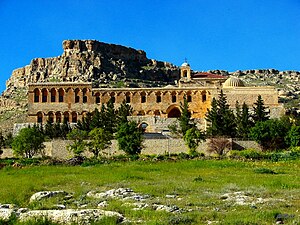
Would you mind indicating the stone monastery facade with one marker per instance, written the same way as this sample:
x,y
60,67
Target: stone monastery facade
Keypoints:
x,y
154,106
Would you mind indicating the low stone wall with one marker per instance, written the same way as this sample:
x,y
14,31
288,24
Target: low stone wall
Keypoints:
x,y
58,148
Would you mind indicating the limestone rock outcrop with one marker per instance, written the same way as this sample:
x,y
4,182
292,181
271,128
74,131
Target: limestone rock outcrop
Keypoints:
x,y
92,61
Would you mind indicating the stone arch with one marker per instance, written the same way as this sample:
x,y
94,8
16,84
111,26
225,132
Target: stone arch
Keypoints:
x,y
156,112
37,94
144,126
44,95
173,111
53,95
141,113
40,117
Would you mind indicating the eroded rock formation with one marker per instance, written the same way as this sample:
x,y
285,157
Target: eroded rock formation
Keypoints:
x,y
93,61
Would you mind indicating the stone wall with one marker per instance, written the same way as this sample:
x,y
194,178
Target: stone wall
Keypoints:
x,y
58,148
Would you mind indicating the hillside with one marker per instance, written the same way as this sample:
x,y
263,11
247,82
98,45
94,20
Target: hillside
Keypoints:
x,y
110,65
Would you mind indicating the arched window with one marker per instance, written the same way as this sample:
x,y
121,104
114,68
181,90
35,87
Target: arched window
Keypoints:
x,y
66,117
61,94
53,95
44,95
158,97
127,97
51,117
97,98
58,117
77,97
174,98
39,117
84,95
36,95
112,97
143,97
74,117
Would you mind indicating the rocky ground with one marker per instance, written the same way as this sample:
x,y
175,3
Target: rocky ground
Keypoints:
x,y
83,213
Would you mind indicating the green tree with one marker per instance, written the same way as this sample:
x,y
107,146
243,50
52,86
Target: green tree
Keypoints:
x,y
220,118
110,117
212,119
28,142
85,123
192,138
99,140
293,136
185,121
129,138
260,111
243,121
79,145
124,111
270,133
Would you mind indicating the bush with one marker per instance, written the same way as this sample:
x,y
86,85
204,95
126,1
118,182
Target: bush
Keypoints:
x,y
248,154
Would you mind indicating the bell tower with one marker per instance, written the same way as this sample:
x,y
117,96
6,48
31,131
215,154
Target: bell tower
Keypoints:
x,y
185,71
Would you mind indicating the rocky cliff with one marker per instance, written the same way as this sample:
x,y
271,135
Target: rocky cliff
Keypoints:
x,y
94,61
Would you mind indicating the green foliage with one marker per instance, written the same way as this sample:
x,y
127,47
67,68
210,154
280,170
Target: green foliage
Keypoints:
x,y
123,111
192,138
270,133
293,136
55,130
243,121
28,142
248,154
185,122
79,145
129,138
220,118
260,111
99,140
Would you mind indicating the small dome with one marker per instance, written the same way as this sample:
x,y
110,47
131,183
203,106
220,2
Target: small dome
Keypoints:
x,y
185,64
233,82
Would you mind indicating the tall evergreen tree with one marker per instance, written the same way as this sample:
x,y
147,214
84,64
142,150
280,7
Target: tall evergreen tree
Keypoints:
x,y
185,121
221,118
212,119
123,111
260,111
243,121
110,118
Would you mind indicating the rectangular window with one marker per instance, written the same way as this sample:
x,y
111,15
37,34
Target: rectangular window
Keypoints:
x,y
189,98
52,98
203,98
143,98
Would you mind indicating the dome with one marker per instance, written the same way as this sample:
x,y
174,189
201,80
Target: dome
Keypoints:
x,y
185,64
233,82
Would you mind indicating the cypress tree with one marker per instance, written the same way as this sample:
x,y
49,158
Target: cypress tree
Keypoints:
x,y
185,121
243,120
260,111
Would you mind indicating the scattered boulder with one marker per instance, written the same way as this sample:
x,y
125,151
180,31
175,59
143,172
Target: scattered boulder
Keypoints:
x,y
120,193
71,216
47,194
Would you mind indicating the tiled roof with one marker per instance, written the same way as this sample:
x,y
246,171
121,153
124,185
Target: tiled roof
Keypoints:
x,y
208,75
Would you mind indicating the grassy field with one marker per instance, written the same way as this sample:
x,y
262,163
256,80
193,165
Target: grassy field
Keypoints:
x,y
197,184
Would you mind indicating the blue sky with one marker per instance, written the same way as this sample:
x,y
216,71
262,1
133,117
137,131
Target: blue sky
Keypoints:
x,y
216,34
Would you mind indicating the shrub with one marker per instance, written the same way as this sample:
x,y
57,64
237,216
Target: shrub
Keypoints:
x,y
219,145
